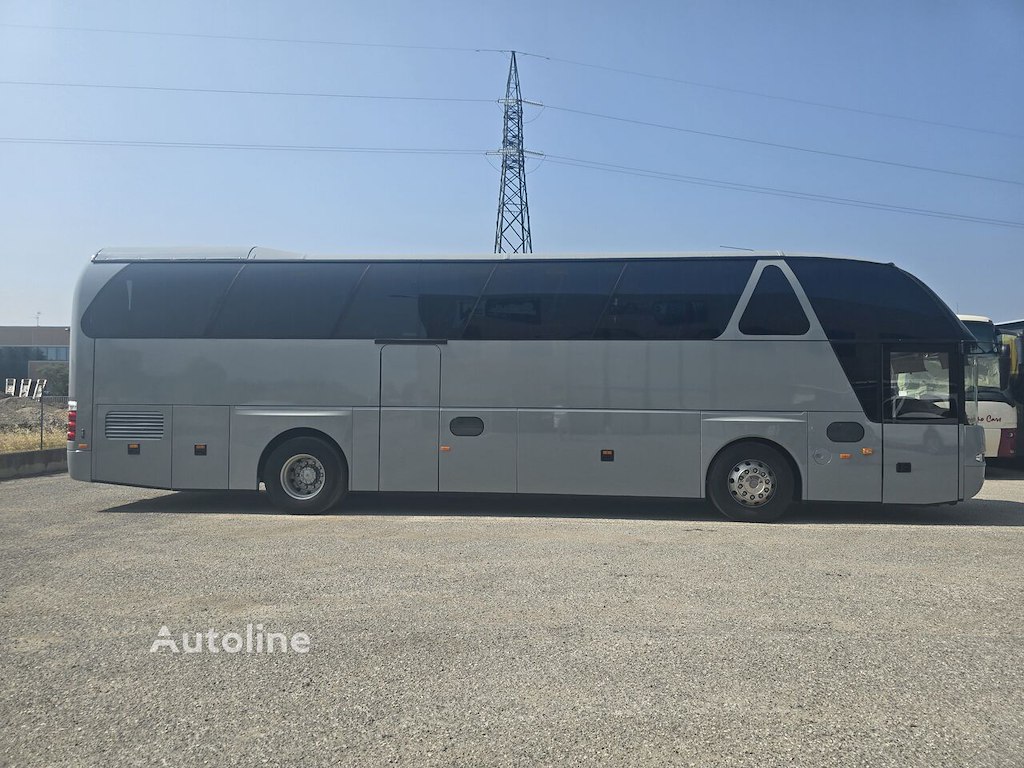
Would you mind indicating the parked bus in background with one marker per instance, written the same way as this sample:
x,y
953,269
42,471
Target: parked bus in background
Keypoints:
x,y
754,381
998,370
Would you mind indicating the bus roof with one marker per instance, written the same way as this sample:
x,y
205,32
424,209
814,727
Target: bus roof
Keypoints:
x,y
974,319
257,253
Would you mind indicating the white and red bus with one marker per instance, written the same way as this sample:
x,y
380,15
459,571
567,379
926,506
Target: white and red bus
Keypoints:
x,y
997,366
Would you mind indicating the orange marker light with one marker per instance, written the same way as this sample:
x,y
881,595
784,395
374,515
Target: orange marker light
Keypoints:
x,y
845,455
867,451
445,448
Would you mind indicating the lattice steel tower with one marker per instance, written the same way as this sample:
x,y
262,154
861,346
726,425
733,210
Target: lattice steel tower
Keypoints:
x,y
513,231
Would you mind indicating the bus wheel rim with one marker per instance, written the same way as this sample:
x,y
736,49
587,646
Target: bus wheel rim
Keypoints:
x,y
303,476
752,483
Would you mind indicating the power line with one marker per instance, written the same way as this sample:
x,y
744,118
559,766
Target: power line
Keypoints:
x,y
231,146
569,110
776,97
556,59
789,147
558,159
775,191
246,38
243,92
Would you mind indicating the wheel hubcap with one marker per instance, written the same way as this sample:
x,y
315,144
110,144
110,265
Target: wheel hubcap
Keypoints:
x,y
752,483
303,477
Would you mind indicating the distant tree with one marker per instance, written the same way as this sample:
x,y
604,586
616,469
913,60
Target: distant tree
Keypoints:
x,y
56,375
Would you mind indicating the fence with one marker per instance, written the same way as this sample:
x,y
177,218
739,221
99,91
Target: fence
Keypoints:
x,y
53,417
33,423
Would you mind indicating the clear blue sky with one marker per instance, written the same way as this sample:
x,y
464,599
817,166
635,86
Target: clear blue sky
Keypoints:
x,y
948,62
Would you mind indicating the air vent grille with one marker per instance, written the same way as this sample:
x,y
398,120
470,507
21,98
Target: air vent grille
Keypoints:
x,y
134,425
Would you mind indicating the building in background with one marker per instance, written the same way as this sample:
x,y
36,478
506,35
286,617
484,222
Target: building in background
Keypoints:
x,y
33,351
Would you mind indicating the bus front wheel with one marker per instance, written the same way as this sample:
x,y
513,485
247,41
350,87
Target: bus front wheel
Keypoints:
x,y
305,475
751,482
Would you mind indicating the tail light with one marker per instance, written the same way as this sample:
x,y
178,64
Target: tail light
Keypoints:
x,y
1007,443
72,419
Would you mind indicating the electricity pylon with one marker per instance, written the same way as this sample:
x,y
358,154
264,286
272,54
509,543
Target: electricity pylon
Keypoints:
x,y
512,234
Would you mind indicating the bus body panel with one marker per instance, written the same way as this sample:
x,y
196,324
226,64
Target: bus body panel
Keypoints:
x,y
131,444
364,458
408,449
839,468
972,461
922,463
200,446
253,428
787,430
653,453
750,375
484,462
238,372
81,373
410,403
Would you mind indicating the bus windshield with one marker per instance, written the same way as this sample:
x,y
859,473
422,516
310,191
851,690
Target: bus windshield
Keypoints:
x,y
985,332
990,361
989,373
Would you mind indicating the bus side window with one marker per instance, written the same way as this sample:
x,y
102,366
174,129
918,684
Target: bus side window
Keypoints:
x,y
773,308
677,299
159,301
544,300
920,385
411,300
296,300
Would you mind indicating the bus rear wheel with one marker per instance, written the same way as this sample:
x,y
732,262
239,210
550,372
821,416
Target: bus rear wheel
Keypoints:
x,y
305,476
751,482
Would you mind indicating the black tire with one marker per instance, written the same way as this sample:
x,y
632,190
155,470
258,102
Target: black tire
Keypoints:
x,y
305,476
751,482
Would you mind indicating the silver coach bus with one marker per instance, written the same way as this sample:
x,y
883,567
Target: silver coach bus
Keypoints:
x,y
754,381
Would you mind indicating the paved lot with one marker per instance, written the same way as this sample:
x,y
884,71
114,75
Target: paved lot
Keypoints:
x,y
532,631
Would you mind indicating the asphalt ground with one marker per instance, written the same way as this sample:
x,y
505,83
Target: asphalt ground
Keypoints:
x,y
479,631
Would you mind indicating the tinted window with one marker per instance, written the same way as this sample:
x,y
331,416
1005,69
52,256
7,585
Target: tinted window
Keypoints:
x,y
845,432
414,300
773,309
158,301
679,299
301,300
862,364
544,300
860,300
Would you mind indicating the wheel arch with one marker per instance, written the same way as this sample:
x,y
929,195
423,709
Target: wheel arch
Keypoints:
x,y
300,432
798,480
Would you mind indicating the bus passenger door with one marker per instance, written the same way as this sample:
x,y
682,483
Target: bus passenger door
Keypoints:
x,y
410,400
921,429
